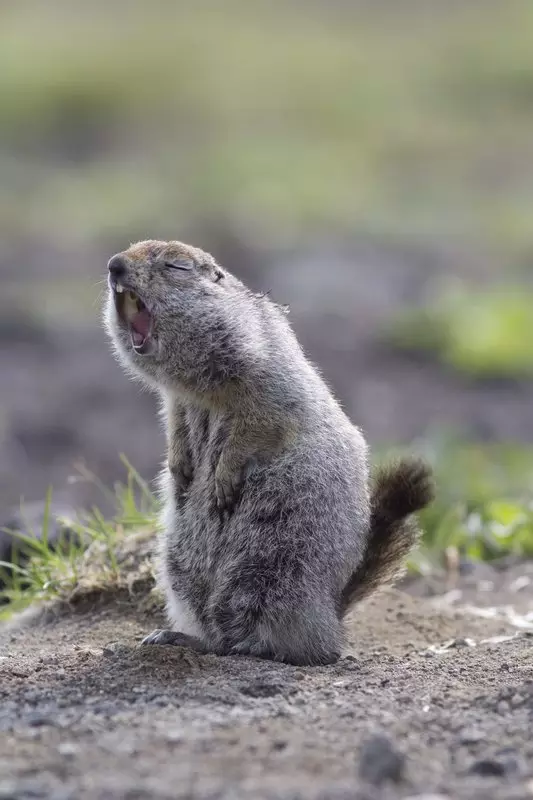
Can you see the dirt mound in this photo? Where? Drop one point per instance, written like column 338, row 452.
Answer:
column 426, row 699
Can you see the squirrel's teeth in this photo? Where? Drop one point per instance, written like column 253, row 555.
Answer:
column 118, row 288
column 130, row 306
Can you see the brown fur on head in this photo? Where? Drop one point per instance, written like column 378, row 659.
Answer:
column 155, row 253
column 176, row 318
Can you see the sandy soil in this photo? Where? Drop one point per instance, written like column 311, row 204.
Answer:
column 431, row 700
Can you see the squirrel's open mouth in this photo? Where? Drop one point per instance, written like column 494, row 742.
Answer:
column 135, row 315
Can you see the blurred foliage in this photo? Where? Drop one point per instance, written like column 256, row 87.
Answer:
column 485, row 333
column 484, row 502
column 402, row 118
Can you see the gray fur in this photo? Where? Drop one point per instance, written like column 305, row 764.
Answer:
column 266, row 490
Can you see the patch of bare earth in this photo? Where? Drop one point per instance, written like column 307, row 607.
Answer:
column 430, row 700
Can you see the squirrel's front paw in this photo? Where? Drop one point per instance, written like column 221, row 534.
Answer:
column 228, row 487
column 182, row 474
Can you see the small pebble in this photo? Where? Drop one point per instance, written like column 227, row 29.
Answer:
column 19, row 672
column 471, row 736
column 488, row 768
column 116, row 649
column 47, row 659
column 380, row 761
column 503, row 707
column 279, row 744
column 175, row 735
column 37, row 720
column 67, row 749
column 299, row 701
column 464, row 642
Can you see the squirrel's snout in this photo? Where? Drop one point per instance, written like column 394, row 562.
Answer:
column 117, row 266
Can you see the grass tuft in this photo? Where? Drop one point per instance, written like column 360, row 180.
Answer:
column 93, row 557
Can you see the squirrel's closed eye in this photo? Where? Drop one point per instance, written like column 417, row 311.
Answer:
column 180, row 263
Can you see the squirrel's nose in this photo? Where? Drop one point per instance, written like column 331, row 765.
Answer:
column 117, row 266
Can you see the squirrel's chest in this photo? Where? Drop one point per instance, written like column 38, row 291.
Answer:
column 206, row 433
column 196, row 535
column 200, row 530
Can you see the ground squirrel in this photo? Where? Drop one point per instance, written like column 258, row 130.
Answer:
column 271, row 527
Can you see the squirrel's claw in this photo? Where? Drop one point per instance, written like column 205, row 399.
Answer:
column 174, row 639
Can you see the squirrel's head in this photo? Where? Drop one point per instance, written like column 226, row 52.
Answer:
column 165, row 298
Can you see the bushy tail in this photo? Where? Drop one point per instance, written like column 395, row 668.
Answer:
column 400, row 489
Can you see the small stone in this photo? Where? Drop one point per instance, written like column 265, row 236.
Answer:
column 279, row 744
column 260, row 689
column 380, row 761
column 19, row 672
column 116, row 650
column 471, row 736
column 512, row 761
column 520, row 583
column 48, row 659
column 299, row 675
column 517, row 700
column 488, row 768
column 127, row 748
column 91, row 701
column 464, row 642
column 67, row 749
column 174, row 735
column 37, row 720
column 503, row 707
column 83, row 655
column 162, row 701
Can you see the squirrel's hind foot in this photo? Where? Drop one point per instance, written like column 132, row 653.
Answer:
column 175, row 639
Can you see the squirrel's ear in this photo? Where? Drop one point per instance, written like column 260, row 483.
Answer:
column 219, row 273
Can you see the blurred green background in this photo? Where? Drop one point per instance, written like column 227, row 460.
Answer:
column 371, row 163
column 399, row 118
